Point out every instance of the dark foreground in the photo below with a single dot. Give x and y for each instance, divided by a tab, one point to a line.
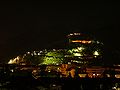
29	83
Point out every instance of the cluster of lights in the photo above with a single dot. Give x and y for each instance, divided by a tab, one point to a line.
14	61
78	49
50	60
81	41
34	53
77	54
57	55
76	61
72	34
96	53
54	56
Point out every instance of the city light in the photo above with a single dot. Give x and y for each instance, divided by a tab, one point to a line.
38	53
80	48
14	61
79	58
81	41
72	34
10	62
77	54
28	52
117	75
96	53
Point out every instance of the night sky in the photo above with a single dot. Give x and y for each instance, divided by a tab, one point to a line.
26	26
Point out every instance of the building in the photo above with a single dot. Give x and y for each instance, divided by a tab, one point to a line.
83	52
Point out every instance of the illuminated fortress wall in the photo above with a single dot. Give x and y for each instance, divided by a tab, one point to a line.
80	50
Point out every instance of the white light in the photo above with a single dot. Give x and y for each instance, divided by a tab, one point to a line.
54	85
96	53
35	53
77	54
97	74
108	75
18	58
57	64
41	51
12	70
24	54
38	53
71	34
80	48
76	33
10	62
98	42
28	52
118	65
114	88
54	50
32	54
75	50
69	62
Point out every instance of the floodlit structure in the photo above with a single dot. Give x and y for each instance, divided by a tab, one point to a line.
81	52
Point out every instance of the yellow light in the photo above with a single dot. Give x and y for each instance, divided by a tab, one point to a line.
89	41
77	54
77	34
12	70
38	53
28	52
84	41
10	62
71	34
81	41
80	48
96	53
108	75
117	75
75	50
72	73
76	41
82	75
18	57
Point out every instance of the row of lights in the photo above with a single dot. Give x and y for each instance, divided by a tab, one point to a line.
72	34
81	41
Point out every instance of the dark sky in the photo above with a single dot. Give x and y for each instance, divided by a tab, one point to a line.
33	25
